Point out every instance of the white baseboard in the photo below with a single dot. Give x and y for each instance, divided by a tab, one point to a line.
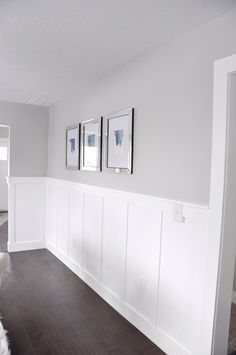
23	246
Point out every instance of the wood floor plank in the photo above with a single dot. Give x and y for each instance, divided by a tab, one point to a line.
19	341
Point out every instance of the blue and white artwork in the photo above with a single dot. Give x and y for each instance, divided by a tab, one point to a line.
118	133
72	145
91	140
119	141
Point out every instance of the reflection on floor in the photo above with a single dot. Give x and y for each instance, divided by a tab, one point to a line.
232	331
3	218
3	236
48	310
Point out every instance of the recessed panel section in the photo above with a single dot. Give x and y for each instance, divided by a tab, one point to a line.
142	269
114	244
76	215
92	234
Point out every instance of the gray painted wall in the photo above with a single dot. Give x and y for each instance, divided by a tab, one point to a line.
4	132
28	138
171	90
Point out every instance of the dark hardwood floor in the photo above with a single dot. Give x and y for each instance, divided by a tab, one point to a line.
48	310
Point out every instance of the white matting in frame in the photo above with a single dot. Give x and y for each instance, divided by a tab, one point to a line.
119	144
72	147
91	145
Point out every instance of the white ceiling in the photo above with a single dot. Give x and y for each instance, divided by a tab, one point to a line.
49	48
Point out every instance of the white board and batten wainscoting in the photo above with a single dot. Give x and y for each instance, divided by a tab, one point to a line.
126	246
26	213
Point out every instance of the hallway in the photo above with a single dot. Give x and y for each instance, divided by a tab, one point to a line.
49	310
117	177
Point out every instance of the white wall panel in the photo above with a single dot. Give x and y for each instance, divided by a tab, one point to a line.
114	244
51	214
76	215
62	220
180	288
93	234
27	202
143	251
27	221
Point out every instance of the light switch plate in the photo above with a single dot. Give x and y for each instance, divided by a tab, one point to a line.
178	213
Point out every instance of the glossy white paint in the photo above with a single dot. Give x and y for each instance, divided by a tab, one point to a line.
51	215
143	258
62	220
127	247
183	262
93	234
27	203
76	217
114	238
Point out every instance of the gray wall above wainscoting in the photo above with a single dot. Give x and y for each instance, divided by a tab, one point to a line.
28	137
171	90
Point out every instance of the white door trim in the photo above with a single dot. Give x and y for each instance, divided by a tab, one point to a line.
215	307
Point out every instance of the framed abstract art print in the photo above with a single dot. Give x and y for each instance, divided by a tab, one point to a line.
91	145
119	142
72	147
